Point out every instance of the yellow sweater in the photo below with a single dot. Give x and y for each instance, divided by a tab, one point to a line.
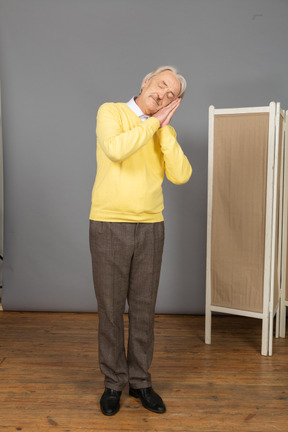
132	157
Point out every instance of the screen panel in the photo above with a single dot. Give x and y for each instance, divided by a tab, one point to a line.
238	210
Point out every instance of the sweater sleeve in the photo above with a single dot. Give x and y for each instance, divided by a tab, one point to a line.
119	145
177	167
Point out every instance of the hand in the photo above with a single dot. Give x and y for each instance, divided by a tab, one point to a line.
165	114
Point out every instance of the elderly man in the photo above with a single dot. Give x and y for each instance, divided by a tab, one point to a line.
135	147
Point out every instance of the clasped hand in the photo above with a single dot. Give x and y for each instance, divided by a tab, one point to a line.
165	114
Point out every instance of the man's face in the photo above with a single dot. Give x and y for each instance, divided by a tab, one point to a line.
158	92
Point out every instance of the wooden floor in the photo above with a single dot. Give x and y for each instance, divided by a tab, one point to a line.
50	381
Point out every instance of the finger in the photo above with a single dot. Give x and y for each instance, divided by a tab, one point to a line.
176	102
171	106
170	115
175	108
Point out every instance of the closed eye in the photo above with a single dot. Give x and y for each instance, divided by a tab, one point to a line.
162	85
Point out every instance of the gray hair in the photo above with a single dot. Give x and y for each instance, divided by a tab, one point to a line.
181	79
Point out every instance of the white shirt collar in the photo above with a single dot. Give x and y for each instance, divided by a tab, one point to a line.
136	109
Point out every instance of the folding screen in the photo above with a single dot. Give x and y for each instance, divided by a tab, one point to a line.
244	228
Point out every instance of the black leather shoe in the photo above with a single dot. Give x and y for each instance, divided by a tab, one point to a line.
149	398
110	402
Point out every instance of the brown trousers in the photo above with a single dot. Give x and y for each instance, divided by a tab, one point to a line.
126	263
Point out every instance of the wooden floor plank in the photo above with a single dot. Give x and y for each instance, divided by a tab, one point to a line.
49	377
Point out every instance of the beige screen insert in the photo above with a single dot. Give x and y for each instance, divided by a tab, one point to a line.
239	208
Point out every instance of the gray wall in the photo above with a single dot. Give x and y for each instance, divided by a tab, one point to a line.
61	59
